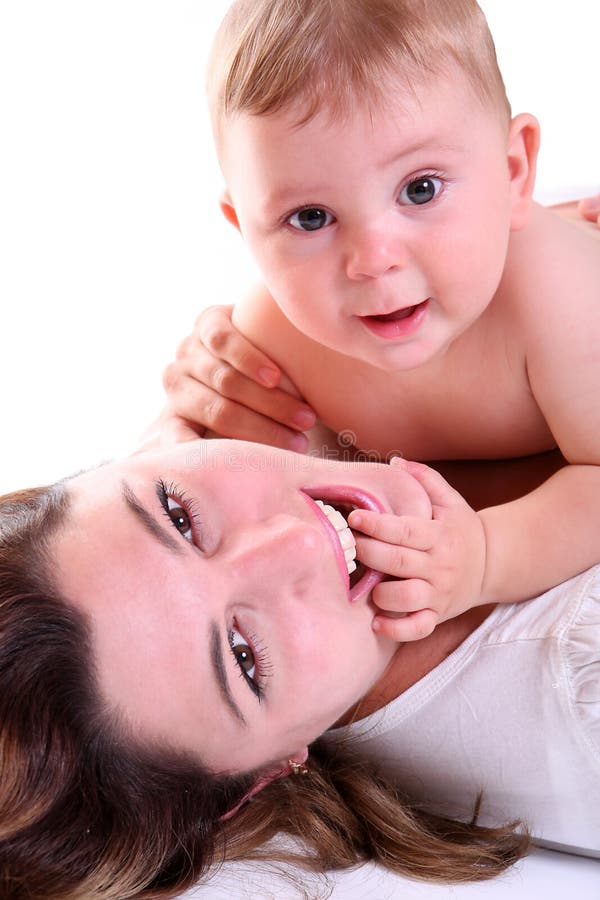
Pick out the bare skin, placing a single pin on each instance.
(498, 363)
(589, 208)
(257, 402)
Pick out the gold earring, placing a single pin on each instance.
(297, 768)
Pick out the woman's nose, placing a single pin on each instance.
(374, 250)
(281, 545)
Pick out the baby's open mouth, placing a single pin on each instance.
(396, 315)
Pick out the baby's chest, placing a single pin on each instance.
(483, 416)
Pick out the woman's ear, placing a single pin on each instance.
(228, 210)
(293, 766)
(523, 146)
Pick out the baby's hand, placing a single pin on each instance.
(221, 382)
(440, 561)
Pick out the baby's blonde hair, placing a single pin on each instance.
(324, 54)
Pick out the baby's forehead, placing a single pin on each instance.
(340, 104)
(434, 105)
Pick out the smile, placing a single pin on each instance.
(333, 506)
(397, 324)
(344, 534)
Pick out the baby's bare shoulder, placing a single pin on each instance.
(552, 277)
(554, 303)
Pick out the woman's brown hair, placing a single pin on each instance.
(86, 812)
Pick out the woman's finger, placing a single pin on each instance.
(589, 208)
(223, 379)
(197, 403)
(216, 331)
(167, 430)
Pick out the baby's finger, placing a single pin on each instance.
(412, 627)
(406, 596)
(402, 562)
(408, 531)
(440, 493)
(216, 331)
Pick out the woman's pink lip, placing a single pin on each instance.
(332, 535)
(396, 328)
(354, 497)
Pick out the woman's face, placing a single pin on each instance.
(222, 619)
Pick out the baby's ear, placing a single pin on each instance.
(523, 146)
(228, 209)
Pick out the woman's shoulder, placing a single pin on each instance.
(513, 711)
(560, 629)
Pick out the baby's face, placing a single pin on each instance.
(383, 236)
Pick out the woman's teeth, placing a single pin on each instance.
(345, 536)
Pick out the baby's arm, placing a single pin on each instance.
(552, 533)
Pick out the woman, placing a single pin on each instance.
(178, 632)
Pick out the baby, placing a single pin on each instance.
(415, 297)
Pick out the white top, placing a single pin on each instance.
(514, 711)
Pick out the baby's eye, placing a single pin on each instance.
(421, 190)
(243, 653)
(179, 517)
(311, 218)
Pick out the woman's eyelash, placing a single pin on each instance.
(169, 490)
(260, 659)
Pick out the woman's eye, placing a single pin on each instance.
(243, 653)
(179, 518)
(311, 218)
(421, 190)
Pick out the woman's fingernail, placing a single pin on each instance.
(298, 443)
(590, 206)
(269, 377)
(304, 418)
(376, 625)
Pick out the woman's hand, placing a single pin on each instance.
(221, 382)
(590, 208)
(438, 564)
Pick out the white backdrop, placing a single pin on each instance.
(110, 236)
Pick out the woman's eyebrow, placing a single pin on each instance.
(148, 520)
(216, 656)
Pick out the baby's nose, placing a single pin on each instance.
(373, 251)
